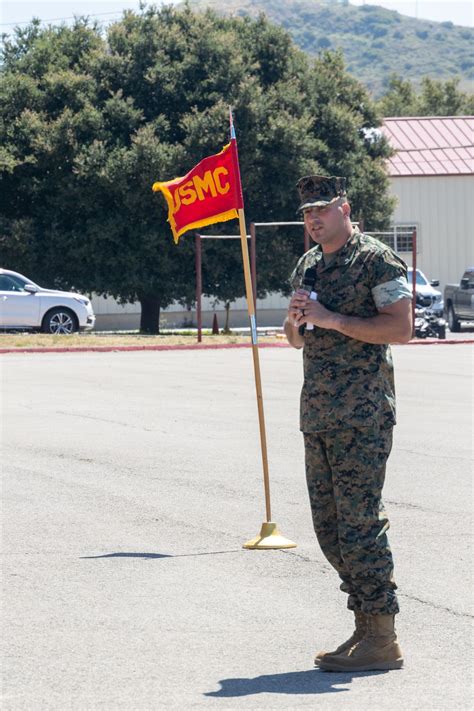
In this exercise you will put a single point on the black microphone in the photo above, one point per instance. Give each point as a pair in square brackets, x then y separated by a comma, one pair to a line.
[307, 284]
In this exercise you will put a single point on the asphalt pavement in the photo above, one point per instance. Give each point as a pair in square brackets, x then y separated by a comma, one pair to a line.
[130, 483]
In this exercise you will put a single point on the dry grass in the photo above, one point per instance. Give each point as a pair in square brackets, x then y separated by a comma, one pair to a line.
[42, 340]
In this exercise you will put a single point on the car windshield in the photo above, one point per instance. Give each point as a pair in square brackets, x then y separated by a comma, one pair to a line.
[420, 277]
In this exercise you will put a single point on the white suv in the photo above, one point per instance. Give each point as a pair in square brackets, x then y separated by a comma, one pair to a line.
[25, 305]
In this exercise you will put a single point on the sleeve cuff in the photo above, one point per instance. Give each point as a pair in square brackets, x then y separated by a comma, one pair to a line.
[391, 291]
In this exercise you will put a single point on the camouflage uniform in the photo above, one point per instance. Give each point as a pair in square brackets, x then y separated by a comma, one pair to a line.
[347, 416]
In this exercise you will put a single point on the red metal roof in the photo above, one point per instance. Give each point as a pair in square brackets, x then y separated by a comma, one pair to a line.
[430, 145]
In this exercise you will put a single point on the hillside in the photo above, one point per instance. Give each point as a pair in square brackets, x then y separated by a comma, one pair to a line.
[376, 42]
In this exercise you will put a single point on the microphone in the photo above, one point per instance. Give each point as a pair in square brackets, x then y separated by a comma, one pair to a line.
[307, 284]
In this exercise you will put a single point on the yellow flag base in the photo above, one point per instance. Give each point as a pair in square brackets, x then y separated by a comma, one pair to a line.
[269, 538]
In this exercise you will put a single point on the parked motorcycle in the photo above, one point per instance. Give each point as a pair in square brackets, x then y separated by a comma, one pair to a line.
[427, 324]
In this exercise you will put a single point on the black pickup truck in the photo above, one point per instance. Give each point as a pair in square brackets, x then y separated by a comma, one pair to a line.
[459, 300]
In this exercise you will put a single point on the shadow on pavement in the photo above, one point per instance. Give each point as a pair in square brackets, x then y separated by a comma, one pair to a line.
[154, 556]
[313, 681]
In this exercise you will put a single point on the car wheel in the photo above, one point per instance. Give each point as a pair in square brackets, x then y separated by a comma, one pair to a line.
[60, 322]
[453, 323]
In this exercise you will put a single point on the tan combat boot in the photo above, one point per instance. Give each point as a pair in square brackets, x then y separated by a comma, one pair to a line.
[357, 635]
[378, 650]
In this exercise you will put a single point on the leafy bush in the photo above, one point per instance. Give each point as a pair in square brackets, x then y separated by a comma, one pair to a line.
[369, 56]
[323, 42]
[377, 31]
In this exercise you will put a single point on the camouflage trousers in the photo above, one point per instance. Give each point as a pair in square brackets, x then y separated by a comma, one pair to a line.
[345, 472]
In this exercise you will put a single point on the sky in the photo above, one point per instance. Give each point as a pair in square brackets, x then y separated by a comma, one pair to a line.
[13, 12]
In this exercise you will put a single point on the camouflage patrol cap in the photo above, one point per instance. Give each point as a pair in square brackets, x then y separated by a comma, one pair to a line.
[320, 190]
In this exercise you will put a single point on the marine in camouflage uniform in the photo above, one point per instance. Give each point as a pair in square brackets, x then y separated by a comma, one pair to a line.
[347, 411]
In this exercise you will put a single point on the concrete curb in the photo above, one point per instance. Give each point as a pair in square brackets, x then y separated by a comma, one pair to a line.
[199, 346]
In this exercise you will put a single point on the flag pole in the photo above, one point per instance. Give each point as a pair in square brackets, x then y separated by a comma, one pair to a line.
[269, 537]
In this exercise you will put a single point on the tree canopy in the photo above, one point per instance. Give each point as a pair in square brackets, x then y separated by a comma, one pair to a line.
[90, 119]
[434, 98]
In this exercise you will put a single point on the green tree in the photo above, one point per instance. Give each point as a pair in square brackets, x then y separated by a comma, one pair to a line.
[344, 125]
[77, 175]
[434, 98]
[438, 98]
[400, 98]
[89, 121]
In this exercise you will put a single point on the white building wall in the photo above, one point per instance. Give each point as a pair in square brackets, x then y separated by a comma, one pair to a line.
[440, 206]
[112, 316]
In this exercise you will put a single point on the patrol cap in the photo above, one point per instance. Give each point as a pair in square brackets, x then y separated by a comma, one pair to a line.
[320, 190]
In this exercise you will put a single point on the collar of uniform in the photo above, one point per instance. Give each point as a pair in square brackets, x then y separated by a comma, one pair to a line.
[344, 255]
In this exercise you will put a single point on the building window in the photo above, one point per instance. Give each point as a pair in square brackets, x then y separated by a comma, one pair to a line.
[399, 237]
[403, 235]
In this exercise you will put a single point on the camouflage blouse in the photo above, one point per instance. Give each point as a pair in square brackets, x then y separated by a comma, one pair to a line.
[348, 383]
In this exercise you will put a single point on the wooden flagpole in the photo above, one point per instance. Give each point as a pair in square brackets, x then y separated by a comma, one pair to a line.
[256, 361]
[269, 536]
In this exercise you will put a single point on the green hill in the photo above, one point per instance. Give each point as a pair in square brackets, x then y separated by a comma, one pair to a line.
[376, 42]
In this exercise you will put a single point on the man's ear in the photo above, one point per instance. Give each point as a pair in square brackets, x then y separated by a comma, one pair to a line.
[346, 208]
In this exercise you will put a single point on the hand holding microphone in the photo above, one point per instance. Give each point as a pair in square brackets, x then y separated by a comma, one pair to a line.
[299, 301]
[301, 307]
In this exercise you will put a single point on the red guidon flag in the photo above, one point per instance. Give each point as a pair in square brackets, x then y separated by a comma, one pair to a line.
[209, 193]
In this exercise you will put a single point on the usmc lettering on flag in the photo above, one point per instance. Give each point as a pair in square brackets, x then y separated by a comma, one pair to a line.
[209, 193]
[201, 188]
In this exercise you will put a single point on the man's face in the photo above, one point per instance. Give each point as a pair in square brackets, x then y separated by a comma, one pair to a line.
[327, 225]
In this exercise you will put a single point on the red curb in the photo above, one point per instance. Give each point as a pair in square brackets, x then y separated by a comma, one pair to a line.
[437, 342]
[202, 346]
[109, 349]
